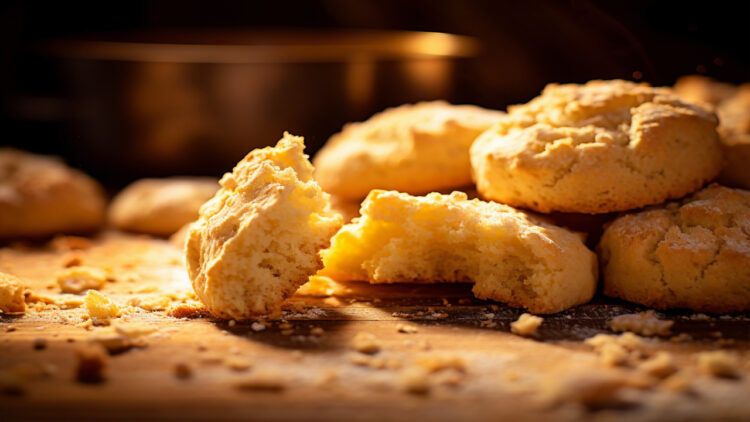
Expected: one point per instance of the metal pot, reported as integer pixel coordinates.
(169, 102)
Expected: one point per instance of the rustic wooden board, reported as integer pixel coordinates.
(504, 375)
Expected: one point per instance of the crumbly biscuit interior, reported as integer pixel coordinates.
(447, 238)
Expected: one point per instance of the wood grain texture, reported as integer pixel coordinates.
(503, 376)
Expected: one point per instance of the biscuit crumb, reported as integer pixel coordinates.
(415, 381)
(238, 364)
(187, 310)
(436, 363)
(317, 331)
(526, 324)
(616, 350)
(661, 365)
(261, 381)
(78, 279)
(719, 364)
(257, 326)
(375, 362)
(592, 389)
(12, 299)
(182, 370)
(100, 306)
(643, 323)
(365, 343)
(39, 343)
(92, 359)
(406, 328)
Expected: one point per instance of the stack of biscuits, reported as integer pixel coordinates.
(609, 180)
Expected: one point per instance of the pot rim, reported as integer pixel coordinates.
(263, 46)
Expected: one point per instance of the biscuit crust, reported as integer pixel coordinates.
(413, 148)
(600, 147)
(257, 239)
(509, 255)
(160, 206)
(41, 196)
(691, 254)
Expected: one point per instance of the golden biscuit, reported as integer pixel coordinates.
(600, 147)
(160, 206)
(509, 255)
(691, 254)
(257, 239)
(41, 196)
(734, 128)
(415, 148)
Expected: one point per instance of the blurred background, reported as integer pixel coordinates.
(152, 88)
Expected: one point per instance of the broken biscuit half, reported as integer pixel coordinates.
(509, 255)
(257, 240)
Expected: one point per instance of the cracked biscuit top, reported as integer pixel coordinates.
(692, 254)
(600, 147)
(414, 148)
(257, 240)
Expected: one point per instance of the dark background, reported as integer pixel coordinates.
(525, 44)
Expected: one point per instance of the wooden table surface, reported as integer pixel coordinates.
(317, 375)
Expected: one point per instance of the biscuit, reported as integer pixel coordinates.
(734, 128)
(509, 255)
(702, 89)
(41, 196)
(600, 147)
(257, 239)
(414, 148)
(12, 289)
(691, 254)
(160, 206)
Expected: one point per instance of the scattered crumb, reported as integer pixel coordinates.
(212, 358)
(415, 381)
(616, 350)
(261, 381)
(643, 323)
(406, 328)
(187, 310)
(232, 323)
(375, 362)
(72, 261)
(182, 370)
(100, 306)
(435, 363)
(678, 383)
(285, 326)
(257, 326)
(719, 364)
(237, 363)
(526, 324)
(39, 343)
(681, 338)
(327, 378)
(10, 329)
(365, 343)
(592, 389)
(79, 279)
(92, 359)
(12, 300)
(317, 331)
(660, 365)
(464, 301)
